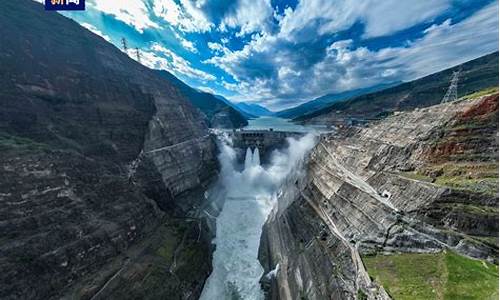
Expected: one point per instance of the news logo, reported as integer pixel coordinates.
(64, 4)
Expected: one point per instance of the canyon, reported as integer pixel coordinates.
(115, 185)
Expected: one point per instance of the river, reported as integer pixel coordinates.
(249, 190)
(279, 124)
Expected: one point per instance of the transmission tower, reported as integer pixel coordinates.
(451, 94)
(138, 54)
(124, 44)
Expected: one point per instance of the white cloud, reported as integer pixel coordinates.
(185, 16)
(218, 48)
(188, 45)
(96, 31)
(385, 17)
(201, 15)
(250, 16)
(132, 12)
(168, 60)
(207, 90)
(281, 73)
(380, 18)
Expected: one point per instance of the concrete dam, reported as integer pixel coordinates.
(264, 140)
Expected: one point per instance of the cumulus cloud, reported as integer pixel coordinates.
(286, 55)
(281, 71)
(186, 15)
(132, 12)
(159, 57)
(188, 45)
(247, 16)
(218, 48)
(313, 18)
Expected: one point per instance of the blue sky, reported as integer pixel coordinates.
(280, 53)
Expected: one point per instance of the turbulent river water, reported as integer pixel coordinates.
(249, 192)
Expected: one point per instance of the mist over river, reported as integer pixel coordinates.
(249, 190)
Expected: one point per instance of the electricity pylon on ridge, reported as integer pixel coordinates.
(138, 54)
(124, 45)
(451, 94)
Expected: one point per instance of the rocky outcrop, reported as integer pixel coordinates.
(103, 165)
(382, 189)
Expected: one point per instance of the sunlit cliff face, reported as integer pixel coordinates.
(249, 197)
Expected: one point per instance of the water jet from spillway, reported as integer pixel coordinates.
(256, 157)
(248, 197)
(248, 158)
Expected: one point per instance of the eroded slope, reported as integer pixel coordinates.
(385, 189)
(98, 155)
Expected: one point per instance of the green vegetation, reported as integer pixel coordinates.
(416, 176)
(470, 279)
(474, 177)
(17, 143)
(492, 240)
(361, 295)
(444, 275)
(472, 209)
(487, 186)
(484, 92)
(168, 246)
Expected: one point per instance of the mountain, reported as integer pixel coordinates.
(475, 75)
(413, 192)
(328, 99)
(233, 105)
(218, 112)
(101, 162)
(254, 109)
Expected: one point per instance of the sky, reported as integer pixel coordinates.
(281, 53)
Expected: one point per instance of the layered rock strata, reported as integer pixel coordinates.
(385, 188)
(103, 166)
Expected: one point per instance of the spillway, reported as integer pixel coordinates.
(249, 196)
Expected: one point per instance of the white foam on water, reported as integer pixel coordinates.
(249, 198)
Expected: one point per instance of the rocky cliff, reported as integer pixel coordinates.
(103, 165)
(421, 181)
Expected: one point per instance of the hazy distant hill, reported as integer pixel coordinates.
(218, 112)
(254, 109)
(233, 105)
(475, 75)
(323, 101)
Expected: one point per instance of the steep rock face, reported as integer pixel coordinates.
(102, 163)
(366, 187)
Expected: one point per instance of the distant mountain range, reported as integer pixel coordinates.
(254, 109)
(327, 100)
(219, 113)
(248, 110)
(475, 75)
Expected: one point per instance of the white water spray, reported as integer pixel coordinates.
(256, 157)
(248, 199)
(248, 158)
